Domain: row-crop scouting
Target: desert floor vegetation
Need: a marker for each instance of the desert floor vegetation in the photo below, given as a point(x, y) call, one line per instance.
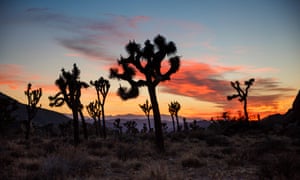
point(203, 154)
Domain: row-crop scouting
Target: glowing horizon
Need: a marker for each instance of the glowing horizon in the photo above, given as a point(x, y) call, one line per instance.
point(216, 47)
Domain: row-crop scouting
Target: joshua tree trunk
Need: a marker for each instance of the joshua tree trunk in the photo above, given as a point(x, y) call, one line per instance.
point(76, 126)
point(173, 121)
point(245, 110)
point(157, 118)
point(85, 133)
point(96, 127)
point(148, 118)
point(103, 121)
point(99, 119)
point(177, 122)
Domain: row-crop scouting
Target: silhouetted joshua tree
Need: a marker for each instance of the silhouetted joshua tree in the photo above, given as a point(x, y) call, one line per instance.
point(94, 111)
point(242, 94)
point(148, 62)
point(70, 92)
point(102, 87)
point(174, 108)
point(146, 108)
point(33, 98)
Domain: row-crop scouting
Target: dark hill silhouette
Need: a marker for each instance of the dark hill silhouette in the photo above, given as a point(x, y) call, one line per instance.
point(293, 114)
point(42, 118)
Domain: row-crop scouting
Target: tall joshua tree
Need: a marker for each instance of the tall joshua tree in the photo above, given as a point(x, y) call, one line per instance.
point(102, 87)
point(33, 98)
point(94, 111)
point(147, 61)
point(70, 92)
point(146, 108)
point(242, 94)
point(172, 113)
point(174, 108)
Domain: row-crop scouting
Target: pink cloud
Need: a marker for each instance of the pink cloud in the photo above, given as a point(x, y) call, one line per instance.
point(11, 75)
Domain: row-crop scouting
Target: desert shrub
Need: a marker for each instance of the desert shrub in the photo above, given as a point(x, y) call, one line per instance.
point(135, 165)
point(116, 164)
point(66, 162)
point(127, 151)
point(217, 140)
point(51, 147)
point(155, 171)
point(94, 144)
point(29, 164)
point(177, 136)
point(269, 145)
point(228, 150)
point(283, 166)
point(197, 134)
point(192, 162)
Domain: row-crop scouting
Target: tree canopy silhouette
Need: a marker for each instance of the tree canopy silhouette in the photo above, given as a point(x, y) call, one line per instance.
point(70, 93)
point(242, 94)
point(148, 62)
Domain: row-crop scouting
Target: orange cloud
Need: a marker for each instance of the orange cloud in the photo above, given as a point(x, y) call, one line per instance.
point(206, 83)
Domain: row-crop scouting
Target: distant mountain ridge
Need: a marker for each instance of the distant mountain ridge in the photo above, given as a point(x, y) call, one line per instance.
point(43, 116)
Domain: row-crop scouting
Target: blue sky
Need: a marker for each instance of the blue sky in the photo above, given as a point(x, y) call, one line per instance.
point(219, 42)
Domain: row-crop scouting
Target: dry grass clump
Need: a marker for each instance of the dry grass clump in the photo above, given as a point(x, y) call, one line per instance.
point(68, 161)
point(192, 162)
point(282, 166)
point(157, 171)
point(217, 140)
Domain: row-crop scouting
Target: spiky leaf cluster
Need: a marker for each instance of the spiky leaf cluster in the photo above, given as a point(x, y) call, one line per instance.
point(146, 107)
point(241, 93)
point(94, 109)
point(174, 107)
point(147, 61)
point(102, 86)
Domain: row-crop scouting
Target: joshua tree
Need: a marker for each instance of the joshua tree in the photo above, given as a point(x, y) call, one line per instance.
point(131, 127)
point(33, 98)
point(146, 108)
point(94, 111)
point(174, 107)
point(147, 61)
point(242, 94)
point(172, 113)
point(102, 87)
point(70, 92)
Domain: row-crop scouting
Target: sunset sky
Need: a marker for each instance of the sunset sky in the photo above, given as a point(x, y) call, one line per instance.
point(218, 41)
